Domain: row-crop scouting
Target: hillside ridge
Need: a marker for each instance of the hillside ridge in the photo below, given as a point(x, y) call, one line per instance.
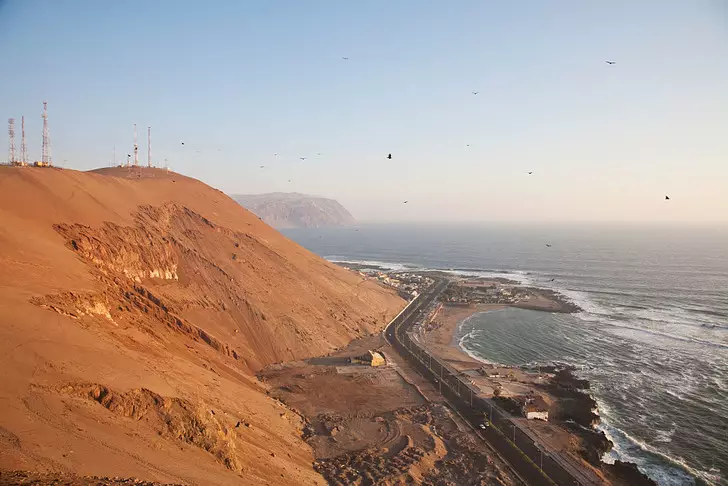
point(136, 307)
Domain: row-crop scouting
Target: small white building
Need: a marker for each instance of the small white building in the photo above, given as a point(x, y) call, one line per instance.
point(535, 408)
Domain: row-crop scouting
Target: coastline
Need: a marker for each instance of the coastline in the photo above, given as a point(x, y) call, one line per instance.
point(442, 334)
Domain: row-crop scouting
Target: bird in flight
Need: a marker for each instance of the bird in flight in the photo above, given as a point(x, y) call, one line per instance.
point(548, 245)
point(667, 198)
point(289, 180)
point(262, 166)
point(183, 143)
point(476, 92)
point(552, 280)
point(389, 156)
point(275, 155)
point(405, 202)
point(345, 58)
point(611, 62)
point(467, 145)
point(302, 158)
point(531, 172)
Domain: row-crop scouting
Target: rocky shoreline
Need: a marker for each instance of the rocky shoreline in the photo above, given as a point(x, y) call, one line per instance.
point(574, 409)
point(577, 412)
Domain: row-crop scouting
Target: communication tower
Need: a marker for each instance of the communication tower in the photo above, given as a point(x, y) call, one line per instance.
point(23, 145)
point(11, 138)
point(46, 159)
point(136, 148)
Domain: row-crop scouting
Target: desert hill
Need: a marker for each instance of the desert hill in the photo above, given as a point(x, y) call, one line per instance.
point(135, 308)
point(294, 210)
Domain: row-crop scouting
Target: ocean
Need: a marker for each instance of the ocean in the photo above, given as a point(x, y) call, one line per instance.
point(652, 336)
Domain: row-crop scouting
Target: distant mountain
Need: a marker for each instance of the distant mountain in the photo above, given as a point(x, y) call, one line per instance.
point(294, 210)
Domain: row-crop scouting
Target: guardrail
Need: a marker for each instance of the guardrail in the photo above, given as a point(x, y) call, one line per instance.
point(507, 436)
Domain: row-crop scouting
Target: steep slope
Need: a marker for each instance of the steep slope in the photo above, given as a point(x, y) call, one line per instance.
point(294, 210)
point(135, 307)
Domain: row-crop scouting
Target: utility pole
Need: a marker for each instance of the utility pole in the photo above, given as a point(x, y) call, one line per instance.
point(11, 138)
point(149, 146)
point(23, 145)
point(46, 151)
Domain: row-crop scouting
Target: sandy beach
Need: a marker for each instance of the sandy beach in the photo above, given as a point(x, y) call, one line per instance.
point(440, 335)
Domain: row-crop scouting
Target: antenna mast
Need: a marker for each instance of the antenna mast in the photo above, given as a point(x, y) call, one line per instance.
point(46, 153)
point(149, 146)
point(11, 133)
point(23, 145)
point(136, 148)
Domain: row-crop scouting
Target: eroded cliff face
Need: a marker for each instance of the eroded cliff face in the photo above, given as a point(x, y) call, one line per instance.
point(173, 262)
point(133, 315)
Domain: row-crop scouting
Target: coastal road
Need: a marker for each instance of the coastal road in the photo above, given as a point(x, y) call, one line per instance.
point(533, 461)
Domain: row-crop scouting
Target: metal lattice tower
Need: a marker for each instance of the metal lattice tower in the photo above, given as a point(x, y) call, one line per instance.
point(136, 148)
point(11, 138)
point(46, 153)
point(149, 146)
point(23, 145)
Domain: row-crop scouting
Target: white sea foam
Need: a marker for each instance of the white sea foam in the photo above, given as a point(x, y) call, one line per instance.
point(394, 267)
point(624, 445)
point(472, 354)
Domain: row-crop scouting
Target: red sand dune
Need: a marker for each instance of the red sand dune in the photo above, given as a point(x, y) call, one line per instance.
point(135, 308)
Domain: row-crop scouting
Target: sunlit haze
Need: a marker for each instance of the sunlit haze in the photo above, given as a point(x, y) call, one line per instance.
point(238, 82)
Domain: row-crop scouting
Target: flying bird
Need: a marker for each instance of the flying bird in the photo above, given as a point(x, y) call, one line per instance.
point(476, 92)
point(345, 58)
point(389, 156)
point(183, 143)
point(302, 158)
point(548, 245)
point(611, 62)
point(262, 166)
point(467, 145)
point(530, 173)
point(405, 202)
point(667, 198)
point(552, 280)
point(289, 180)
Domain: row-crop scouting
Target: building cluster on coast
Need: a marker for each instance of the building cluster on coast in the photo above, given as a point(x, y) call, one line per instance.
point(484, 292)
point(408, 284)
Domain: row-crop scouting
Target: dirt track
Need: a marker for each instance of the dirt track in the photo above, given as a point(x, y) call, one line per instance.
point(370, 426)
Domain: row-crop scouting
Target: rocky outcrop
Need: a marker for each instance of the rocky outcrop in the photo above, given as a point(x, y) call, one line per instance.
point(293, 210)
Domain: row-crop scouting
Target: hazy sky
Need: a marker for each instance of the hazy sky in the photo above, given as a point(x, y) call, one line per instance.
point(239, 81)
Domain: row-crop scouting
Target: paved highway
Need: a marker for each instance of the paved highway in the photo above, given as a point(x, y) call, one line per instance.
point(534, 463)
